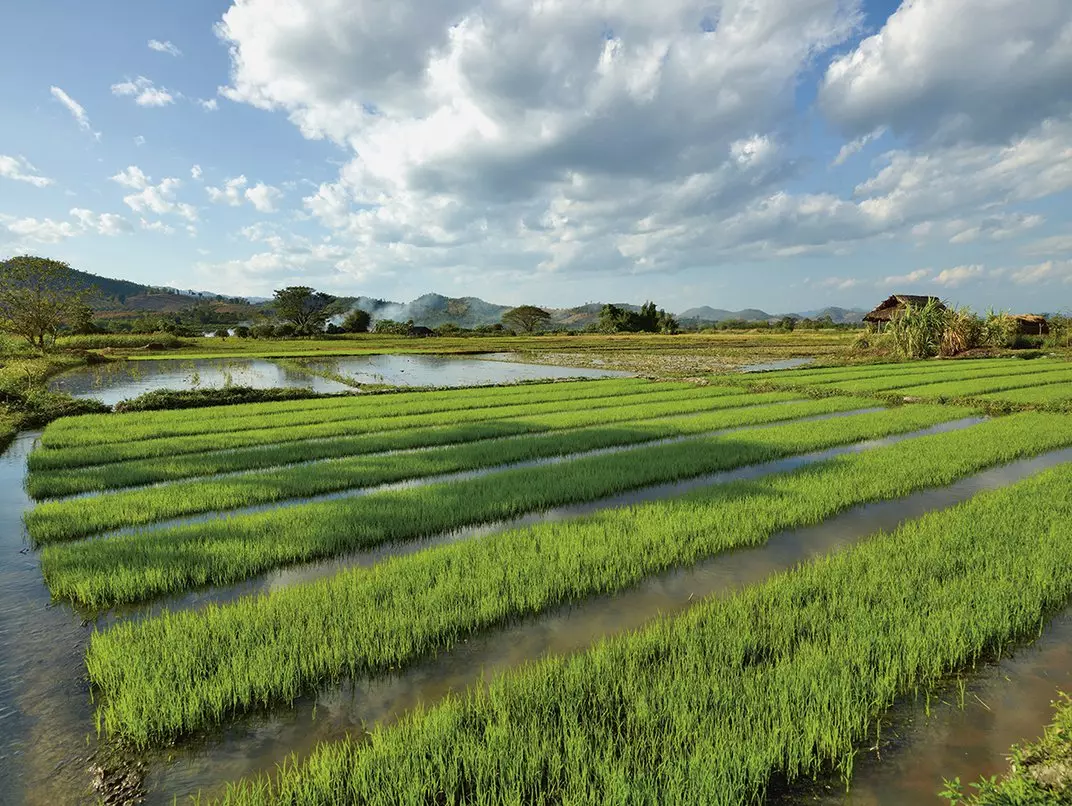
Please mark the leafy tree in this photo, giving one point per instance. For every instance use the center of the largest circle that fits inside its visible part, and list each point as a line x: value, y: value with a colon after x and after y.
x: 648, y: 319
x: 357, y: 321
x: 666, y: 322
x: 37, y: 297
x: 302, y: 307
x: 223, y: 333
x: 82, y: 321
x: 526, y: 318
x: 391, y: 327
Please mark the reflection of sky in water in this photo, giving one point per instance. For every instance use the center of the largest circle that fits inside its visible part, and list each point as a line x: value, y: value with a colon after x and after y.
x: 434, y: 370
x: 111, y: 383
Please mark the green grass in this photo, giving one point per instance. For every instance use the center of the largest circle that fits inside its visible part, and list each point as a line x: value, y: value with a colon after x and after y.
x: 74, y: 518
x: 101, y: 429
x: 9, y: 427
x: 683, y: 400
x: 136, y: 566
x: 265, y: 649
x: 168, y: 467
x: 1040, y: 773
x: 924, y: 384
x: 784, y: 679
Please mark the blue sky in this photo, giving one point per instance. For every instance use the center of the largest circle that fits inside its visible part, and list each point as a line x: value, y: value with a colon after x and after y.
x: 783, y: 154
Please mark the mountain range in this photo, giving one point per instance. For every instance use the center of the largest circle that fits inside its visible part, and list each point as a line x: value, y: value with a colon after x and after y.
x: 119, y: 298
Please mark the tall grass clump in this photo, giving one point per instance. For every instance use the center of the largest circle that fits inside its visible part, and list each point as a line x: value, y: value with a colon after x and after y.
x: 228, y: 658
x: 134, y: 566
x: 784, y: 680
x: 917, y: 330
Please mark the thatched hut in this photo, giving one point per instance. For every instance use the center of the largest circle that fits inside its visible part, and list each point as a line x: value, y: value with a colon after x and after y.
x: 421, y: 332
x: 894, y: 305
x: 1031, y: 324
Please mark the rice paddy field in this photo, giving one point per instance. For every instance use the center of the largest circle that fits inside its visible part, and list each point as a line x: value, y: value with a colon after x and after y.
x: 759, y: 588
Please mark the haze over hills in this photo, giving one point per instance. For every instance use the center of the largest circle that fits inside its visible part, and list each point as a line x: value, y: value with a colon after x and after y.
x: 116, y: 298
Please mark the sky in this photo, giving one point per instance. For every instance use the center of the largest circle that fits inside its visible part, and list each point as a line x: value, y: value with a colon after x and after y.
x: 779, y: 154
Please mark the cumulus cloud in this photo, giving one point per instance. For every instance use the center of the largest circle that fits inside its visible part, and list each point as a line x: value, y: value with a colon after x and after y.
x: 1054, y: 245
x: 208, y: 104
x: 48, y: 230
x: 139, y: 140
x: 952, y: 278
x: 77, y: 111
x: 20, y: 170
x: 144, y: 92
x: 912, y: 277
x: 950, y: 70
x: 164, y: 47
x: 234, y: 192
x: 1044, y: 272
x: 195, y: 172
x: 855, y: 146
x: 153, y: 198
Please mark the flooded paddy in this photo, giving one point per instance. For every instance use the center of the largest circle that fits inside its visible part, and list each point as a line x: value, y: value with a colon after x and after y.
x: 122, y: 380
x: 49, y: 752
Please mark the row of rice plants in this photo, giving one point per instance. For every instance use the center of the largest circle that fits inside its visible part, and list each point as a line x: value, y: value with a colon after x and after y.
x: 67, y: 481
x: 170, y: 446
x: 134, y: 566
x: 961, y: 389
x: 178, y: 672
x: 74, y: 518
x: 922, y: 383
x: 128, y: 428
x: 1037, y: 395
x: 827, y: 374
x: 782, y: 681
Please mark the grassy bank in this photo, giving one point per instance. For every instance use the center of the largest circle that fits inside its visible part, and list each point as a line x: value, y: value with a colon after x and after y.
x: 134, y: 566
x: 1040, y: 774
x: 74, y: 518
x: 228, y: 658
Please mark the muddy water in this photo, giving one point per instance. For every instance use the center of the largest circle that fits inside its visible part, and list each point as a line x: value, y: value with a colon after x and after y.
x: 258, y: 743
x: 45, y: 712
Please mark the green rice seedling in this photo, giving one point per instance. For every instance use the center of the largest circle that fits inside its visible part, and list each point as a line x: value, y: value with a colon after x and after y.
x: 891, y: 376
x: 1042, y: 372
x: 784, y: 680
x: 180, y: 671
x: 171, y: 446
x: 135, y: 566
x: 1047, y: 395
x: 74, y: 518
x: 215, y: 420
x: 955, y: 390
x: 60, y: 482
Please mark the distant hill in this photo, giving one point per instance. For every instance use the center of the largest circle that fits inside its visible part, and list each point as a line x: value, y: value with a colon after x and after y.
x: 838, y: 315
x: 706, y: 313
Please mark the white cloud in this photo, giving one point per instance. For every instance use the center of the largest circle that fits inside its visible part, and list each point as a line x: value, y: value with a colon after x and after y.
x: 139, y: 140
x: 234, y: 192
x: 208, y: 104
x: 20, y: 169
x: 77, y: 111
x: 1054, y: 245
x: 195, y: 172
x: 48, y: 230
x: 103, y: 224
x: 996, y: 228
x: 952, y: 278
x: 839, y: 283
x: 857, y: 145
x: 144, y: 92
x: 981, y: 70
x: 164, y: 47
x: 912, y: 277
x: 1044, y: 272
x: 153, y: 198
x: 263, y: 197
x: 157, y: 226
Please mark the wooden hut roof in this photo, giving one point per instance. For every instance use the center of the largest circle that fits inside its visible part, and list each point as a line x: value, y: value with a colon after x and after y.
x: 885, y: 311
x: 1032, y: 324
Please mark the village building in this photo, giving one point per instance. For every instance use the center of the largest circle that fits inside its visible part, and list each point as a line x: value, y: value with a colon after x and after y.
x: 894, y: 306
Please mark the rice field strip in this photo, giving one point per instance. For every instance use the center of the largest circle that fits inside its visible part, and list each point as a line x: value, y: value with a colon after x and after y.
x: 260, y: 650
x: 960, y: 389
x: 1041, y: 395
x: 576, y: 626
x: 93, y: 437
x: 42, y: 484
x: 926, y: 384
x: 786, y: 679
x: 118, y: 428
x: 303, y: 572
x: 169, y: 446
x: 70, y: 519
x: 152, y: 562
x: 937, y: 366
